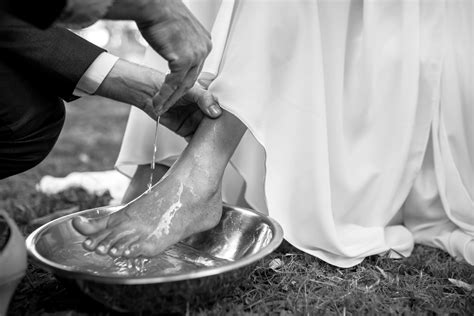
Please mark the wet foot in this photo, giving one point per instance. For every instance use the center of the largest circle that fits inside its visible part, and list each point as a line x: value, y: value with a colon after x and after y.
x: 181, y: 204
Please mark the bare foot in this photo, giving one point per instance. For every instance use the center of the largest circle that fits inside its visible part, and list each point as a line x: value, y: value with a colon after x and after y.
x: 186, y: 201
x: 180, y: 205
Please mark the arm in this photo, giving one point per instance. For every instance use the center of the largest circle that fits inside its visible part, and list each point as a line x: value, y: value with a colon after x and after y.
x: 137, y: 85
x: 28, y: 10
x: 174, y: 33
x: 170, y: 29
x: 168, y: 26
x: 55, y: 59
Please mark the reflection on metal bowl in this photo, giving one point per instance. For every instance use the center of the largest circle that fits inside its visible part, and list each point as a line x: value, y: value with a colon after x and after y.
x: 195, y: 272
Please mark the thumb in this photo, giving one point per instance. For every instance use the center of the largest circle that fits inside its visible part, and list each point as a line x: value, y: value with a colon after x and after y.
x: 207, y: 102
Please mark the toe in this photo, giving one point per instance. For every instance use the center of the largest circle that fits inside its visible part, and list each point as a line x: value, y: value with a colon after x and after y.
x: 93, y: 241
x: 107, y: 243
x: 123, y: 244
x: 88, y: 226
x: 133, y: 251
x: 142, y: 248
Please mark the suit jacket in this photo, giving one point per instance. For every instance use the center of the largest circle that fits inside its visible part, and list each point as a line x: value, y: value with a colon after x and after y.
x: 54, y: 59
x: 39, y: 13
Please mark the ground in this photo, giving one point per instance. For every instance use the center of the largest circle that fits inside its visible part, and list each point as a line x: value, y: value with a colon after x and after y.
x: 286, y: 282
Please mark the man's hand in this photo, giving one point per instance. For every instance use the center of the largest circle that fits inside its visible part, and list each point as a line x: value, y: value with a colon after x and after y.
x: 184, y: 117
x: 174, y: 33
x: 171, y: 30
x: 138, y: 85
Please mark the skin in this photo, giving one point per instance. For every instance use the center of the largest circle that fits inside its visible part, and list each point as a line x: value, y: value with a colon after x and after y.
x: 138, y: 85
x: 139, y: 181
x: 175, y: 34
x: 167, y: 25
x: 185, y: 201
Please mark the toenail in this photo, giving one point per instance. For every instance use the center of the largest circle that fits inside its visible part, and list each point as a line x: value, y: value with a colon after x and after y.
x: 101, y: 248
x: 113, y: 251
x: 88, y: 242
x: 126, y: 252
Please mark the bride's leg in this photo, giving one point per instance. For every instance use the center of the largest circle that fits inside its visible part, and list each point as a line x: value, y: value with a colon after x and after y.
x: 186, y: 201
x: 140, y: 179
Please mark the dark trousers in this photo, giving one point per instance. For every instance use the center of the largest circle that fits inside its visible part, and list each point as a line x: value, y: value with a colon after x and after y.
x: 31, y: 119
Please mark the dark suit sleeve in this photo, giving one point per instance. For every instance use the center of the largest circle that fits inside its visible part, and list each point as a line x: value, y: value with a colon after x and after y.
x: 55, y: 58
x: 36, y: 12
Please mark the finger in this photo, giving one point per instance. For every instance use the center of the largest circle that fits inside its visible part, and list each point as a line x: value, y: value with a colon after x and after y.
x: 204, y: 99
x: 207, y: 103
x: 177, y: 121
x: 150, y: 111
x: 189, y: 126
x: 187, y: 83
x: 188, y: 121
x: 170, y: 85
x: 201, y: 65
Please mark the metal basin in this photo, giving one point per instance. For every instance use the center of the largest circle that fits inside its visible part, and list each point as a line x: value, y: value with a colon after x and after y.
x: 195, y: 272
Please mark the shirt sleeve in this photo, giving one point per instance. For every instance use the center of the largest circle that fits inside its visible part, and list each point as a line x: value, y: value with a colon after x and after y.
x: 54, y: 59
x: 95, y: 74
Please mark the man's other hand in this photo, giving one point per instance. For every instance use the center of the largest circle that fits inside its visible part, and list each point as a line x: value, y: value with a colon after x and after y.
x: 174, y: 33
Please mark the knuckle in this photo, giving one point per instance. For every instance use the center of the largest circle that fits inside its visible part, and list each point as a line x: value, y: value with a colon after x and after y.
x: 189, y: 85
x: 173, y: 86
x: 180, y: 62
x: 200, y: 52
x: 186, y: 60
x: 203, y: 51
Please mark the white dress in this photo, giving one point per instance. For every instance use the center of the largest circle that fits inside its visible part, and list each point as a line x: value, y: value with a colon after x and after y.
x: 360, y: 118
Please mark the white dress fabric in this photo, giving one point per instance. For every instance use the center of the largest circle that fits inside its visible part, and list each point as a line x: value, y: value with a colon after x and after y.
x: 359, y: 115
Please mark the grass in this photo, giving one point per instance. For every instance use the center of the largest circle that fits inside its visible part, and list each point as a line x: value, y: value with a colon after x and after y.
x: 286, y: 282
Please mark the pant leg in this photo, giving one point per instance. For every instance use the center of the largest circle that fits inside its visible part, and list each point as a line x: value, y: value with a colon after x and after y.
x: 31, y: 119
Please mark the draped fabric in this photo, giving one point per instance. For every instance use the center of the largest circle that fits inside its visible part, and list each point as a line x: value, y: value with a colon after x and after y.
x: 359, y: 116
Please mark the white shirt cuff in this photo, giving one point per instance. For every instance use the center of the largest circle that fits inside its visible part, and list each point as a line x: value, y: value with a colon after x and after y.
x: 95, y: 74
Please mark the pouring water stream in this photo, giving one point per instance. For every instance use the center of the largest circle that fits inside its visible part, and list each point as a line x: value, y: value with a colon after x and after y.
x: 150, y: 182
